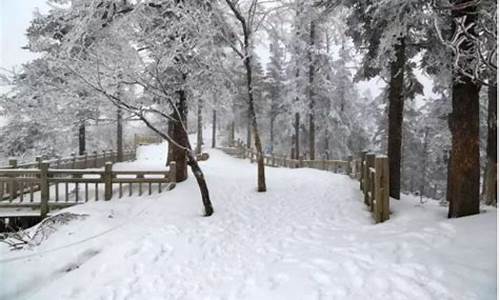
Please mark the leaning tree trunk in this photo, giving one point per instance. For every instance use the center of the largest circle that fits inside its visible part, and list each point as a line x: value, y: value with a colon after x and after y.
x: 312, y: 129
x: 464, y: 127
x: 199, y: 129
x: 490, y: 191
x: 261, y: 179
x: 396, y: 106
x: 81, y: 139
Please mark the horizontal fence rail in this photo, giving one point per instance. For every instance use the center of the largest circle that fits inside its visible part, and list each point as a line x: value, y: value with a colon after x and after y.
x: 371, y: 170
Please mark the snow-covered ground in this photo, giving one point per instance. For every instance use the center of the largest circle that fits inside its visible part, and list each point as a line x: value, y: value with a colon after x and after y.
x: 309, y: 237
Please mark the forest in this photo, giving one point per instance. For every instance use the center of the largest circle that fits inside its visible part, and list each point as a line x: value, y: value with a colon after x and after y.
x: 412, y: 81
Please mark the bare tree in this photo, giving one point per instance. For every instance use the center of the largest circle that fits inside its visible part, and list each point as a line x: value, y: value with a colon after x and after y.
x: 249, y: 24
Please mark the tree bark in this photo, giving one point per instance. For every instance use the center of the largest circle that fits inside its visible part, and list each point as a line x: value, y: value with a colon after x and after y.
x: 396, y: 106
x: 249, y: 130
x: 119, y: 134
x: 271, y: 133
x: 214, y: 128
x: 464, y: 127
x: 297, y: 136
x: 261, y: 179
x: 180, y: 136
x: 312, y: 129
x: 490, y: 191
x: 199, y: 129
x: 81, y: 139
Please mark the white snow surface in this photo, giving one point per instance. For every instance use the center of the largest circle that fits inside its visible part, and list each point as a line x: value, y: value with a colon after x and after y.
x: 308, y: 237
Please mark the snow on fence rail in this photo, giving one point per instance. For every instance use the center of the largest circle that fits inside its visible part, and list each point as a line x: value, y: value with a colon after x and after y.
x: 19, y: 187
x: 371, y: 170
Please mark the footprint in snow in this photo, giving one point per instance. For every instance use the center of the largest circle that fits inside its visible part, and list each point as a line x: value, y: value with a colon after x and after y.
x: 80, y: 260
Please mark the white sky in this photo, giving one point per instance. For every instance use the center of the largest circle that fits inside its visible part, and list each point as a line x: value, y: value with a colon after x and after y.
x: 15, y: 16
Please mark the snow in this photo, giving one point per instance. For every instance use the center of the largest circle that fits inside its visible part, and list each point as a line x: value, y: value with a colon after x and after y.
x: 309, y: 237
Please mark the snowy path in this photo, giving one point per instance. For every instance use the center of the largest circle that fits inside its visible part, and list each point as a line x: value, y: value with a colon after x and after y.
x: 308, y: 237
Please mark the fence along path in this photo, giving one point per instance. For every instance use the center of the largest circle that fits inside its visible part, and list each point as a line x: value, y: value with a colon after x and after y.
x: 60, y: 183
x: 370, y: 169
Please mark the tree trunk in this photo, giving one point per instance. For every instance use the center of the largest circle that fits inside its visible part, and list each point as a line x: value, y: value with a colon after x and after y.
x: 261, y: 179
x: 180, y: 136
x: 297, y: 136
x: 396, y: 106
x: 214, y: 128
x: 200, y: 179
x: 271, y: 134
x: 249, y: 130
x: 490, y: 191
x: 312, y: 129
x: 199, y: 129
x: 232, y: 134
x: 464, y: 127
x: 119, y: 135
x: 81, y: 139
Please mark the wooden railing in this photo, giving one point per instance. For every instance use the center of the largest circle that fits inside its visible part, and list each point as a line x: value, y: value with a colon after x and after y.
x: 142, y: 139
x: 371, y: 170
x: 94, y: 160
x: 46, y: 187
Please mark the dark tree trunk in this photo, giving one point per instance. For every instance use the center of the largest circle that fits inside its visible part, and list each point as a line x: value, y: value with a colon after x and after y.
x: 200, y: 179
x: 464, y: 127
x: 490, y: 181
x: 214, y: 128
x: 312, y: 129
x: 232, y: 133
x: 180, y: 136
x: 249, y: 130
x: 81, y: 139
x: 271, y: 134
x: 297, y: 136
x: 119, y: 134
x: 261, y: 179
x: 199, y: 129
x: 396, y: 106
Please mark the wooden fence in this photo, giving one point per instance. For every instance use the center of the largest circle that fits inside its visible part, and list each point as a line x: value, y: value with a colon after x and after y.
x: 371, y: 170
x: 51, y: 184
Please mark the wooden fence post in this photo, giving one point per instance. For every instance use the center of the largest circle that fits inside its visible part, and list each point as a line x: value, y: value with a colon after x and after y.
x: 44, y: 189
x: 103, y: 157
x: 38, y: 160
x: 382, y: 163
x: 362, y: 170
x: 172, y: 169
x: 370, y: 163
x: 108, y: 180
x: 13, y: 184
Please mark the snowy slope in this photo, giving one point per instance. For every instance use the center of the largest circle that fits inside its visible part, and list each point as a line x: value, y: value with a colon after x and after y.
x: 308, y: 237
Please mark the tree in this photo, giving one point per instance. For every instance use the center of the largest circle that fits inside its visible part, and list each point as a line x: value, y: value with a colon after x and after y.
x: 248, y: 28
x: 135, y: 49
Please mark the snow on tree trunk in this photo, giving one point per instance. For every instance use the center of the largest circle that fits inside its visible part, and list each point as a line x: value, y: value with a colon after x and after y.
x: 490, y: 191
x: 199, y: 129
x: 119, y: 134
